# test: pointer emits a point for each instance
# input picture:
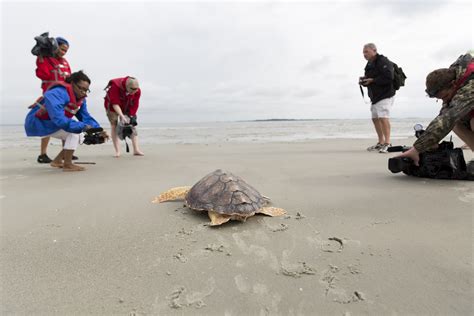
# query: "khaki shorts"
(113, 117)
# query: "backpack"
(398, 77)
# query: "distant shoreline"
(260, 120)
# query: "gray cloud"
(406, 8)
(317, 65)
(306, 93)
(222, 61)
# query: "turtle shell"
(225, 193)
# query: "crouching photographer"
(455, 86)
(52, 116)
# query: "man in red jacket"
(121, 103)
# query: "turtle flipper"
(217, 219)
(272, 211)
(173, 194)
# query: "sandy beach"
(357, 239)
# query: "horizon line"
(254, 120)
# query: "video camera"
(133, 120)
(45, 46)
(125, 129)
(94, 136)
(444, 162)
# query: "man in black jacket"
(378, 79)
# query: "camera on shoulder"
(45, 46)
(94, 136)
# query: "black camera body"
(361, 81)
(444, 162)
(94, 136)
(133, 120)
(45, 46)
(127, 131)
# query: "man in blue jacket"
(52, 116)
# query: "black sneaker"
(44, 159)
(75, 157)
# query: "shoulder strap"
(469, 71)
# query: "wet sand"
(356, 240)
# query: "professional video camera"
(444, 162)
(126, 129)
(94, 136)
(45, 46)
(133, 120)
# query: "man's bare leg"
(385, 126)
(378, 129)
(136, 150)
(115, 140)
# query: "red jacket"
(117, 94)
(51, 69)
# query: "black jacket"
(381, 70)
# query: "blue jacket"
(55, 100)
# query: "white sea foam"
(242, 132)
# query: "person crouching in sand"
(52, 116)
(121, 102)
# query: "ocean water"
(241, 132)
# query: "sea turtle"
(224, 196)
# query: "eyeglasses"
(83, 89)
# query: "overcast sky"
(218, 61)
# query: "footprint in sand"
(180, 257)
(258, 253)
(333, 244)
(241, 284)
(467, 195)
(342, 297)
(295, 270)
(179, 299)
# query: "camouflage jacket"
(460, 106)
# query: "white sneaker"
(384, 148)
(375, 147)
